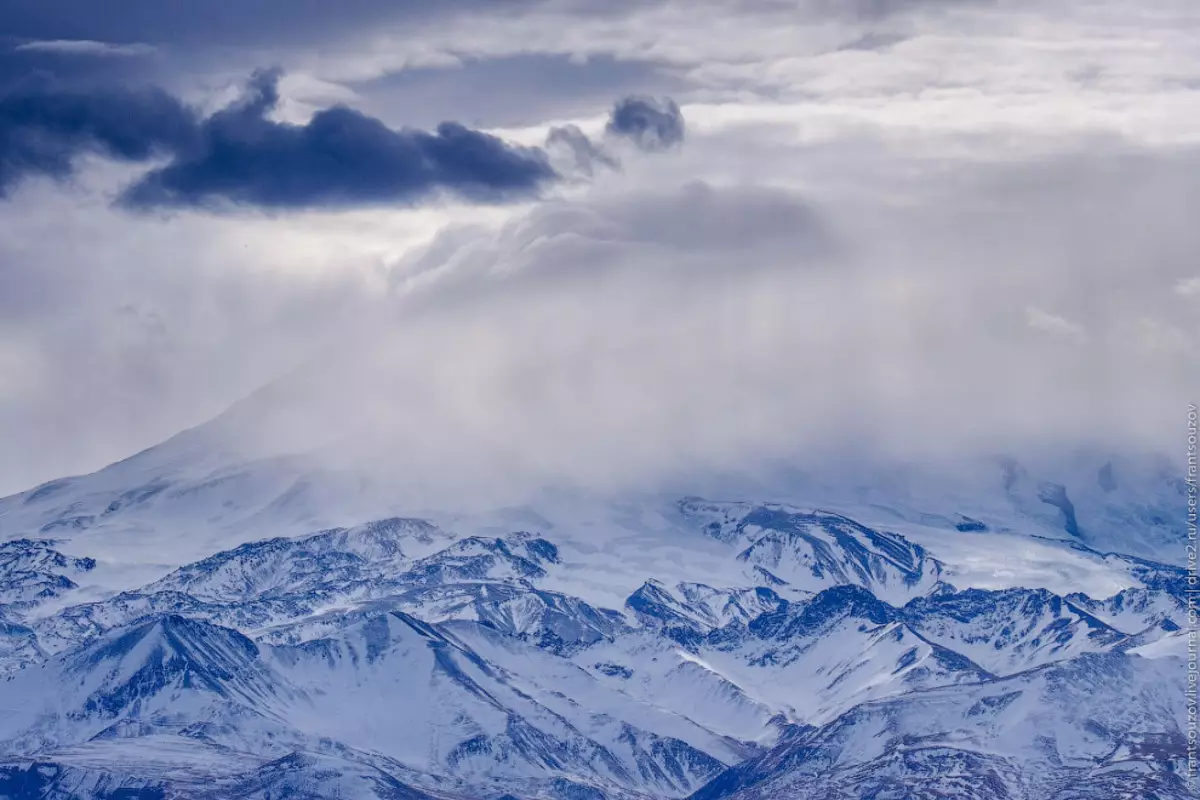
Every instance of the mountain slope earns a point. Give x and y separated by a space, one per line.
1098 726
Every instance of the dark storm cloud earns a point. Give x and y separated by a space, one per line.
340 157
651 125
238 155
42 132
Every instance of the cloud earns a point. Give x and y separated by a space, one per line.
650 124
584 154
86 47
634 332
240 156
43 131
117 330
976 71
842 259
340 157
1054 324
647 333
1188 287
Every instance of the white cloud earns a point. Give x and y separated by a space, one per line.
87 47
1158 337
1053 324
1187 287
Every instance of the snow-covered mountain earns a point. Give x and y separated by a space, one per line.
198 622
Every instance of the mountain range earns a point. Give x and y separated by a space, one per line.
193 624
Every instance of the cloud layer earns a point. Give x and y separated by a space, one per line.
960 229
648 333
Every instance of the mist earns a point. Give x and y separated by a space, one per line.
629 338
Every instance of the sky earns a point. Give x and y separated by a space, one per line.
604 240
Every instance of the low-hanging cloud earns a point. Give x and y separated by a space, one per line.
239 155
650 124
636 338
639 331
